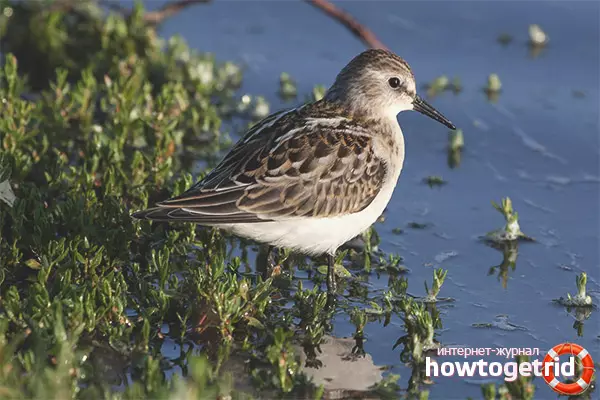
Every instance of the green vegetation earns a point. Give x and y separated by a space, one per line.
581 299
521 388
287 86
456 143
434 180
100 117
537 37
443 84
511 231
504 39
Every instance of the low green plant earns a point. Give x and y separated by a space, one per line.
101 117
581 299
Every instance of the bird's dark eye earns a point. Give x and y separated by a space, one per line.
394 82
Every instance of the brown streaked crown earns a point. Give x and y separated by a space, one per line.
375 59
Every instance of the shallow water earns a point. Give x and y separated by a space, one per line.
538 144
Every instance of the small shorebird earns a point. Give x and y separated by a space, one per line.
312 178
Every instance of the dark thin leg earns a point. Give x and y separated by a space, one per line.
270 262
271 258
264 261
330 274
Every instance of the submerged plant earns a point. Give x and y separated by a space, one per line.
438 85
504 39
456 143
434 180
420 322
581 299
318 92
456 140
512 230
493 88
443 83
287 86
392 264
537 37
493 83
358 317
261 108
580 314
510 252
439 275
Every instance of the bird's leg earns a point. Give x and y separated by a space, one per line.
264 261
270 264
271 258
330 274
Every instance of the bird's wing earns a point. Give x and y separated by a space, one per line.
290 165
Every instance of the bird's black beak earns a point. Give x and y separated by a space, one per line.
425 108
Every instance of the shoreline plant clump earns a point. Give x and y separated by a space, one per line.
101 117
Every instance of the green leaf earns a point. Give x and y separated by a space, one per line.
33 264
340 271
253 322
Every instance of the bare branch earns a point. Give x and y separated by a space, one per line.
156 17
169 9
176 6
362 32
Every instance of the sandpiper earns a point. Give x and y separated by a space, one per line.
313 177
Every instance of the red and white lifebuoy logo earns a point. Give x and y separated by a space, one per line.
550 362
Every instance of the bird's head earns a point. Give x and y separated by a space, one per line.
378 82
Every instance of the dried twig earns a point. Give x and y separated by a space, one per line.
349 22
156 17
169 9
172 8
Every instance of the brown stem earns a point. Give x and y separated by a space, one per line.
362 32
158 16
172 8
169 9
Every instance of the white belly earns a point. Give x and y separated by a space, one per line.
316 236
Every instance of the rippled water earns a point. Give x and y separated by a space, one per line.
538 144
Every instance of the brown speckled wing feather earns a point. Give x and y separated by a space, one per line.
292 164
